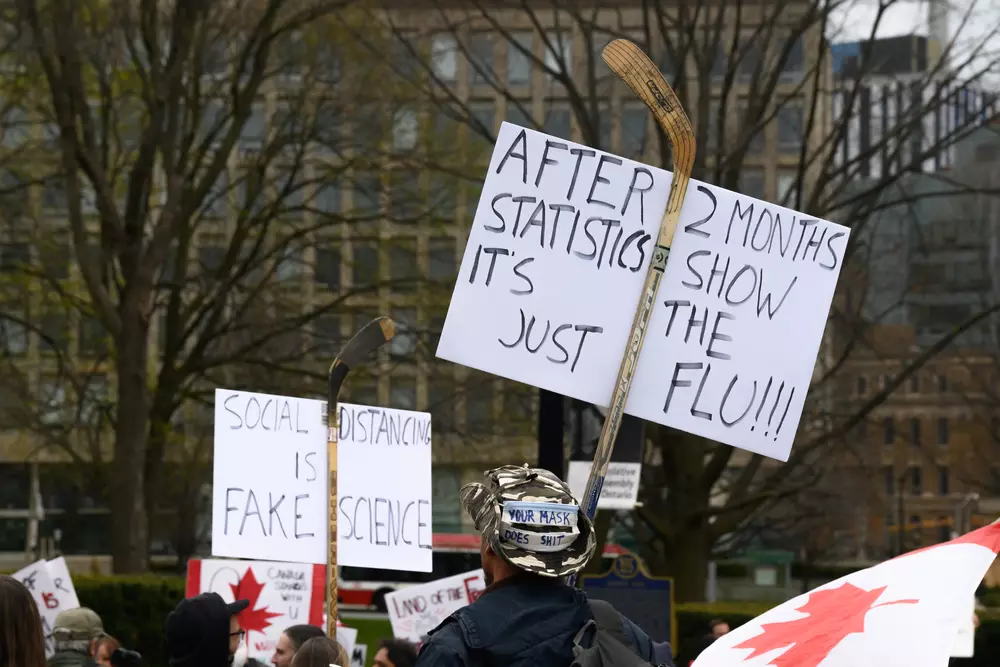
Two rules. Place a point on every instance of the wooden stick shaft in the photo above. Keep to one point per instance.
(333, 429)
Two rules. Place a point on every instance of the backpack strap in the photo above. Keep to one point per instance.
(610, 621)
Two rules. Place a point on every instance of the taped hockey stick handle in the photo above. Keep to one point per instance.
(333, 431)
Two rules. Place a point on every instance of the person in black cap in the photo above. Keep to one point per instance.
(203, 631)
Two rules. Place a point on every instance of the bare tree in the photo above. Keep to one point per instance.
(756, 81)
(201, 167)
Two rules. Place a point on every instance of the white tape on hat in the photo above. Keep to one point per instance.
(542, 515)
(537, 542)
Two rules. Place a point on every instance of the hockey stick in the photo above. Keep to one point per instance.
(640, 74)
(372, 336)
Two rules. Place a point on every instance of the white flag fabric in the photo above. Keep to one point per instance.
(904, 612)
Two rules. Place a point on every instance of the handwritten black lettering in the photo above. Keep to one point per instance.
(694, 227)
(493, 205)
(269, 413)
(716, 335)
(520, 201)
(604, 159)
(521, 138)
(633, 187)
(580, 153)
(525, 332)
(385, 522)
(517, 272)
(375, 426)
(545, 158)
(537, 219)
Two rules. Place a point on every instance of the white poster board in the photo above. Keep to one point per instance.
(359, 655)
(270, 482)
(416, 610)
(620, 490)
(347, 637)
(965, 638)
(63, 583)
(280, 595)
(37, 580)
(553, 271)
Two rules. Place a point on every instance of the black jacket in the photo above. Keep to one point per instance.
(518, 622)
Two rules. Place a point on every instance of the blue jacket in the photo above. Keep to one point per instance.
(521, 621)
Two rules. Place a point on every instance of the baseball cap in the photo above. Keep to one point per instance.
(78, 624)
(531, 519)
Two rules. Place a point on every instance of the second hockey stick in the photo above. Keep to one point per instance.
(640, 74)
(372, 336)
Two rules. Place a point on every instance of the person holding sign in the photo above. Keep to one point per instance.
(534, 535)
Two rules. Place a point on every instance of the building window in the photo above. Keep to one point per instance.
(13, 337)
(942, 382)
(943, 431)
(752, 182)
(519, 58)
(889, 430)
(328, 198)
(915, 432)
(441, 405)
(365, 272)
(402, 393)
(890, 480)
(326, 337)
(861, 385)
(367, 194)
(441, 264)
(254, 129)
(634, 126)
(915, 384)
(746, 122)
(405, 130)
(404, 196)
(93, 340)
(916, 480)
(559, 52)
(479, 404)
(557, 121)
(403, 265)
(787, 190)
(943, 480)
(444, 62)
(484, 113)
(446, 509)
(481, 69)
(519, 113)
(404, 344)
(604, 125)
(791, 127)
(326, 271)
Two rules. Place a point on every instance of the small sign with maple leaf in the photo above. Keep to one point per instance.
(251, 619)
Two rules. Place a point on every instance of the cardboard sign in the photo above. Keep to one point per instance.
(38, 581)
(347, 637)
(552, 275)
(63, 582)
(280, 595)
(270, 493)
(359, 655)
(416, 610)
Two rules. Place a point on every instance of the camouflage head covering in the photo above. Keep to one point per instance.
(529, 517)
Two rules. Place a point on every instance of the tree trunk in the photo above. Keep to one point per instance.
(686, 561)
(129, 520)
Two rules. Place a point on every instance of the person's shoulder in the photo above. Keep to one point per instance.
(444, 646)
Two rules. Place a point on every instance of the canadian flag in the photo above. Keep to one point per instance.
(903, 612)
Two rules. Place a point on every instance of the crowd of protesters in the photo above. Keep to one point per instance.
(534, 537)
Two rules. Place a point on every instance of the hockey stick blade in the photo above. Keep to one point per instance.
(372, 336)
(634, 68)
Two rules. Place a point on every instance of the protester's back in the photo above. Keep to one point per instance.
(534, 535)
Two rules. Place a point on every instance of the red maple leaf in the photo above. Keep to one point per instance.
(250, 619)
(834, 614)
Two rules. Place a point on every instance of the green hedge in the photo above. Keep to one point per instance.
(134, 610)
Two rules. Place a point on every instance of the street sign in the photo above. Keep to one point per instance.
(648, 601)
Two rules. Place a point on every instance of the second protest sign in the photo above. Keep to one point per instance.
(270, 494)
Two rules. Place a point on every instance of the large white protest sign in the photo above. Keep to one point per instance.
(63, 583)
(37, 580)
(965, 639)
(270, 482)
(280, 595)
(416, 610)
(553, 271)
